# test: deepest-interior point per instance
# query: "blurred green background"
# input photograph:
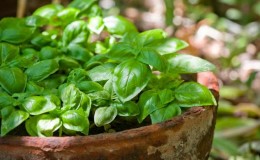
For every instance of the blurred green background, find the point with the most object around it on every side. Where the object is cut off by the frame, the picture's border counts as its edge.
(225, 32)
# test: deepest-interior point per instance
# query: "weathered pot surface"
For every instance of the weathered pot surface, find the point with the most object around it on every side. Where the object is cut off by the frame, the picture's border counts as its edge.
(186, 137)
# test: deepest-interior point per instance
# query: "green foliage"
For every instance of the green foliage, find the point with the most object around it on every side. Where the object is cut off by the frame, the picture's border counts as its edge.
(59, 75)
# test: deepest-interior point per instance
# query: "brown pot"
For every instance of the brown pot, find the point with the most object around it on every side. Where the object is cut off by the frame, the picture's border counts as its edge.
(185, 137)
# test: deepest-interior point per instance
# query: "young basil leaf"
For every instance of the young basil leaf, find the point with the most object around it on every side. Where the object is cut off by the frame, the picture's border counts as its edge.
(89, 86)
(14, 30)
(47, 124)
(36, 105)
(119, 25)
(12, 80)
(183, 63)
(70, 95)
(121, 52)
(190, 94)
(78, 52)
(36, 21)
(165, 113)
(68, 15)
(48, 53)
(75, 120)
(151, 57)
(100, 98)
(42, 69)
(169, 45)
(77, 75)
(85, 103)
(6, 100)
(75, 33)
(31, 126)
(151, 36)
(129, 108)
(102, 72)
(11, 118)
(149, 102)
(104, 115)
(96, 24)
(8, 52)
(130, 78)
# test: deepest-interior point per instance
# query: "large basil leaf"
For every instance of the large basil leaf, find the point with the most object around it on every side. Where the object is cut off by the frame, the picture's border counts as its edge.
(36, 21)
(11, 118)
(75, 33)
(121, 52)
(6, 100)
(89, 86)
(149, 102)
(68, 15)
(14, 30)
(36, 105)
(82, 5)
(48, 53)
(70, 95)
(165, 113)
(166, 96)
(8, 52)
(129, 108)
(75, 120)
(169, 45)
(130, 78)
(190, 94)
(78, 52)
(118, 25)
(77, 75)
(151, 57)
(12, 80)
(43, 125)
(42, 69)
(104, 115)
(151, 36)
(101, 72)
(183, 63)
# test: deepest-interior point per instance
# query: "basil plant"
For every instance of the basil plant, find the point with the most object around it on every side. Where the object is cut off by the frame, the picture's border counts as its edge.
(72, 71)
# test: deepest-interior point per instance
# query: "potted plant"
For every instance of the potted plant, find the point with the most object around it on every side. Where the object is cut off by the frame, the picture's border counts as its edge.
(68, 73)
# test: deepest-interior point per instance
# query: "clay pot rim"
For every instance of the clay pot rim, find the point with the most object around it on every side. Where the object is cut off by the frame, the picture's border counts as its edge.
(206, 78)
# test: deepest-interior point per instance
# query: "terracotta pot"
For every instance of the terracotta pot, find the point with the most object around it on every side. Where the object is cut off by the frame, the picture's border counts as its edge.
(185, 137)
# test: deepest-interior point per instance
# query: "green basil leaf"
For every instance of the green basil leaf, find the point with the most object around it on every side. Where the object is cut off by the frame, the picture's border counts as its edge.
(14, 30)
(93, 11)
(100, 98)
(77, 75)
(53, 81)
(85, 103)
(68, 15)
(31, 126)
(129, 108)
(101, 72)
(48, 53)
(6, 100)
(75, 120)
(82, 5)
(41, 40)
(149, 102)
(190, 94)
(89, 86)
(130, 78)
(170, 45)
(78, 52)
(104, 115)
(70, 95)
(47, 125)
(165, 113)
(36, 21)
(42, 69)
(166, 96)
(11, 118)
(49, 12)
(121, 52)
(96, 24)
(32, 87)
(36, 105)
(12, 80)
(118, 25)
(8, 52)
(68, 63)
(183, 63)
(151, 36)
(151, 57)
(75, 33)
